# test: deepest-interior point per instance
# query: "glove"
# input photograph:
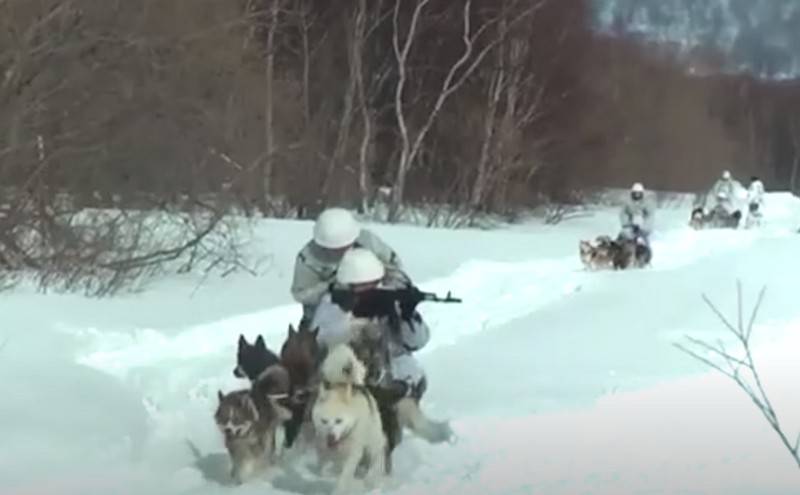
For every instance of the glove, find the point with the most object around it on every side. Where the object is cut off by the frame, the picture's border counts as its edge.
(411, 297)
(375, 303)
(344, 298)
(392, 303)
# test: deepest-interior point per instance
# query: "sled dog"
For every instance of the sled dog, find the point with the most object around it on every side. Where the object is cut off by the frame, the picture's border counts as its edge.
(248, 420)
(597, 256)
(619, 254)
(346, 421)
(253, 359)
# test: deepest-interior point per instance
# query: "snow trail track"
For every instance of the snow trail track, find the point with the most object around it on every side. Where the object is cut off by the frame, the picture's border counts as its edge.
(547, 330)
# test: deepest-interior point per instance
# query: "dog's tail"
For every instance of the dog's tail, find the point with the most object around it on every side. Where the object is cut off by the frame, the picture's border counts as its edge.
(412, 417)
(342, 367)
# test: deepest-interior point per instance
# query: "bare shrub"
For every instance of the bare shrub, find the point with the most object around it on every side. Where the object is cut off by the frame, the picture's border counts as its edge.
(100, 252)
(557, 213)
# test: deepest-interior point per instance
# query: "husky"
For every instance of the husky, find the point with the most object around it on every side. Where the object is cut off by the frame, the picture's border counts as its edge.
(619, 254)
(249, 420)
(597, 256)
(698, 218)
(300, 355)
(256, 362)
(346, 421)
(717, 218)
(253, 359)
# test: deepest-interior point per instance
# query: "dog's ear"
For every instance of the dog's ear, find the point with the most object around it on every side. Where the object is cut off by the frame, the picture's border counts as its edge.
(242, 341)
(260, 342)
(291, 332)
(220, 395)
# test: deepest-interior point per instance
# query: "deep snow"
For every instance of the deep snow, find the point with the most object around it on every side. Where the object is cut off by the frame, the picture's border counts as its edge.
(558, 381)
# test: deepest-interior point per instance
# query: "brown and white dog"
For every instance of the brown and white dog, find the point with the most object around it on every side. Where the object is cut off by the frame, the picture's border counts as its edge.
(249, 420)
(598, 255)
(607, 254)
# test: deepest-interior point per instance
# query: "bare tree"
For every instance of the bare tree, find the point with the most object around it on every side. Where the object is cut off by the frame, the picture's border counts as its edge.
(794, 131)
(265, 181)
(60, 74)
(520, 86)
(463, 67)
(305, 19)
(459, 72)
(365, 24)
(354, 44)
(742, 370)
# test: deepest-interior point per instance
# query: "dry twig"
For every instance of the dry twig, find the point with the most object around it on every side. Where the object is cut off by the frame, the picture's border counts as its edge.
(742, 370)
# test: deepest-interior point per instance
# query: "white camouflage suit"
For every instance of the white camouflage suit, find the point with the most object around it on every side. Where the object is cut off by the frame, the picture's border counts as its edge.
(336, 327)
(755, 193)
(637, 212)
(315, 270)
(733, 191)
(755, 202)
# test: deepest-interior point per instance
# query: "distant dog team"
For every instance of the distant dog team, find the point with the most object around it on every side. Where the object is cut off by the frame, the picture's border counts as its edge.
(609, 254)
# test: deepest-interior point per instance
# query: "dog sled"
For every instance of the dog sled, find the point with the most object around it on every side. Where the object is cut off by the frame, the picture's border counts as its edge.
(715, 219)
(606, 253)
(340, 403)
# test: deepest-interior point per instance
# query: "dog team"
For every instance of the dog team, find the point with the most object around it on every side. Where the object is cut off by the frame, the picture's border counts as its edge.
(345, 383)
(631, 249)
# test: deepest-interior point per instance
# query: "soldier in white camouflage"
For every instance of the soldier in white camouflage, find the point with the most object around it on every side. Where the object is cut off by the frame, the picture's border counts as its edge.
(336, 231)
(637, 215)
(725, 194)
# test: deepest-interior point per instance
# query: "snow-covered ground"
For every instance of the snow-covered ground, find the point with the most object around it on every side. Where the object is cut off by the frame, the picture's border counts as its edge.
(557, 381)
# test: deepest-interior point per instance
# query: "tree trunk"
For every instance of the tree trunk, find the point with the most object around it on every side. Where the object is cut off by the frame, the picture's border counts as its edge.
(346, 122)
(496, 88)
(267, 164)
(366, 117)
(794, 128)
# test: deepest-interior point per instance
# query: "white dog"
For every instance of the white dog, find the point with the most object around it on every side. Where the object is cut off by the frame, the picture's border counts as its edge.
(347, 424)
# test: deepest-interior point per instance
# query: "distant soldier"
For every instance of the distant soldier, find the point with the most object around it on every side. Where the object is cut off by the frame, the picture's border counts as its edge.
(637, 216)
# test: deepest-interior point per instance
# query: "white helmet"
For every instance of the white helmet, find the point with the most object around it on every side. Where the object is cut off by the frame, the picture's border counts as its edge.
(359, 266)
(637, 187)
(726, 174)
(336, 228)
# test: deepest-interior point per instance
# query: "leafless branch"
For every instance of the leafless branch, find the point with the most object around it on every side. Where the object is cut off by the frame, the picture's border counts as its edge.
(756, 394)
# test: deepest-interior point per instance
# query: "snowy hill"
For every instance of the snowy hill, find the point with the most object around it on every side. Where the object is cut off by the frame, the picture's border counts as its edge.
(760, 36)
(558, 381)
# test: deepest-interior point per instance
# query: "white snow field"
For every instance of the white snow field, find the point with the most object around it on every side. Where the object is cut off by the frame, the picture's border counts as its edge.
(557, 380)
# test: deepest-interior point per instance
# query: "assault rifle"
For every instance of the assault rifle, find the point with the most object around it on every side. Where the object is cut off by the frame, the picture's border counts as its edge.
(385, 302)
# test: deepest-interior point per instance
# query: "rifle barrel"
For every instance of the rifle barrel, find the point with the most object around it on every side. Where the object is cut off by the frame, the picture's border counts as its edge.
(432, 297)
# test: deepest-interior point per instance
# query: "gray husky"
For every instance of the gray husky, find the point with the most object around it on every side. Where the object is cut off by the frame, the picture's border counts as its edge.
(249, 420)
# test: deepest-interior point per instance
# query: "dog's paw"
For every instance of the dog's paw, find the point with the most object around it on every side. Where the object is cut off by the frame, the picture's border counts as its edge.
(236, 477)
